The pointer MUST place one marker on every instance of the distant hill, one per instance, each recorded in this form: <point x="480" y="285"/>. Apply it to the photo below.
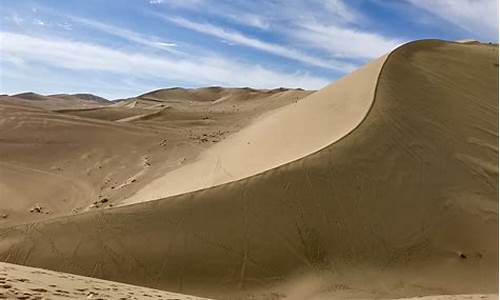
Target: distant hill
<point x="30" y="96"/>
<point x="87" y="97"/>
<point x="207" y="93"/>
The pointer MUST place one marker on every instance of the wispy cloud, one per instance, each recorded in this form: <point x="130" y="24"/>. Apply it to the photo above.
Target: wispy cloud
<point x="326" y="35"/>
<point x="15" y="18"/>
<point x="261" y="43"/>
<point x="344" y="41"/>
<point x="38" y="22"/>
<point x="249" y="19"/>
<point x="180" y="3"/>
<point x="241" y="39"/>
<point x="340" y="9"/>
<point x="150" y="41"/>
<point x="209" y="70"/>
<point x="478" y="17"/>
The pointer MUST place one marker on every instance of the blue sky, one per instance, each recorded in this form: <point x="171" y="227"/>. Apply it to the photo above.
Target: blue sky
<point x="116" y="48"/>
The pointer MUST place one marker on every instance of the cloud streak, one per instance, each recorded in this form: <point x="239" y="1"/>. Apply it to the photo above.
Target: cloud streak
<point x="478" y="17"/>
<point x="126" y="34"/>
<point x="241" y="39"/>
<point x="344" y="41"/>
<point x="209" y="70"/>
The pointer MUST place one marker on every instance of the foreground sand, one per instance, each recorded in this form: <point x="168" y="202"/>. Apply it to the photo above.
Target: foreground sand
<point x="20" y="282"/>
<point x="456" y="297"/>
<point x="403" y="204"/>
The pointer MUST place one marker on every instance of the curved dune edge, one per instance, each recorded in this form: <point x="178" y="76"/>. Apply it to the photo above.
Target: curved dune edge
<point x="280" y="137"/>
<point x="370" y="216"/>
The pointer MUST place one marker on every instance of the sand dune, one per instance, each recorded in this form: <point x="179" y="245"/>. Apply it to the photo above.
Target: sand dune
<point x="60" y="101"/>
<point x="457" y="297"/>
<point x="285" y="135"/>
<point x="19" y="282"/>
<point x="80" y="157"/>
<point x="401" y="202"/>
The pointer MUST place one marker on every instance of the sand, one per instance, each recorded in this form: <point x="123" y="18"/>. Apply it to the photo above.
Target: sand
<point x="400" y="203"/>
<point x="20" y="282"/>
<point x="279" y="137"/>
<point x="84" y="157"/>
<point x="456" y="297"/>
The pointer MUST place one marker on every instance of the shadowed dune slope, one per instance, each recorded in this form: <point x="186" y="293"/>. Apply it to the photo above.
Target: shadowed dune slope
<point x="404" y="205"/>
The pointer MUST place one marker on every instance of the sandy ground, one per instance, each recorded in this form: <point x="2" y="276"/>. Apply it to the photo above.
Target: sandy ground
<point x="276" y="138"/>
<point x="403" y="202"/>
<point x="20" y="282"/>
<point x="456" y="297"/>
<point x="86" y="157"/>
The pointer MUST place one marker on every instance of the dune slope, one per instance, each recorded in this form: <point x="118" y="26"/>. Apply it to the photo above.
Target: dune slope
<point x="404" y="205"/>
<point x="20" y="282"/>
<point x="279" y="137"/>
<point x="61" y="159"/>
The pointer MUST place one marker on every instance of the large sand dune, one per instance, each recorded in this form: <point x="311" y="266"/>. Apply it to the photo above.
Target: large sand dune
<point x="68" y="158"/>
<point x="279" y="137"/>
<point x="402" y="202"/>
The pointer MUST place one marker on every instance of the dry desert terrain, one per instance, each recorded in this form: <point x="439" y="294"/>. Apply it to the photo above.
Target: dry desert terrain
<point x="382" y="185"/>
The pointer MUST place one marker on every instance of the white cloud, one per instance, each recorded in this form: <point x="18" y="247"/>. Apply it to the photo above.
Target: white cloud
<point x="200" y="71"/>
<point x="13" y="59"/>
<point x="344" y="41"/>
<point x="181" y="3"/>
<point x="239" y="38"/>
<point x="163" y="44"/>
<point x="65" y="26"/>
<point x="38" y="22"/>
<point x="479" y="17"/>
<point x="249" y="20"/>
<point x="126" y="34"/>
<point x="341" y="10"/>
<point x="325" y="34"/>
<point x="16" y="19"/>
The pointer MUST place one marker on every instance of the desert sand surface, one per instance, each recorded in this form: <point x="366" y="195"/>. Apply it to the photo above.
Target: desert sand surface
<point x="394" y="197"/>
<point x="79" y="158"/>
<point x="276" y="138"/>
<point x="60" y="101"/>
<point x="20" y="282"/>
<point x="456" y="297"/>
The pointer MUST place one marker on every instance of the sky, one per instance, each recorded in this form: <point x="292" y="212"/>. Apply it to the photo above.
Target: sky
<point x="118" y="49"/>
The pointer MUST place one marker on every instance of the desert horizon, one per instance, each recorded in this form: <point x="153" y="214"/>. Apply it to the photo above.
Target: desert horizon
<point x="182" y="150"/>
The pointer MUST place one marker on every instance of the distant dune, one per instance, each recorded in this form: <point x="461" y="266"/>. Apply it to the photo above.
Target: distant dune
<point x="59" y="101"/>
<point x="382" y="185"/>
<point x="87" y="97"/>
<point x="80" y="155"/>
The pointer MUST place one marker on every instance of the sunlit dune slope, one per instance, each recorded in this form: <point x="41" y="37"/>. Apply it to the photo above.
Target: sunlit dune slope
<point x="403" y="205"/>
<point x="20" y="282"/>
<point x="284" y="135"/>
<point x="61" y="156"/>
